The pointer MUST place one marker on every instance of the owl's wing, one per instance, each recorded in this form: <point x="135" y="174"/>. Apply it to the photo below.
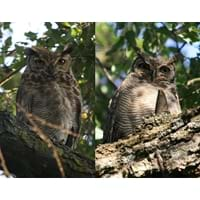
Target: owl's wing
<point x="110" y="131"/>
<point x="108" y="135"/>
<point x="24" y="101"/>
<point x="161" y="103"/>
<point x="173" y="100"/>
<point x="72" y="141"/>
<point x="77" y="121"/>
<point x="178" y="106"/>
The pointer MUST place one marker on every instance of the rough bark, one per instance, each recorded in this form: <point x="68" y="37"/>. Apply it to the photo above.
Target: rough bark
<point x="26" y="155"/>
<point x="162" y="147"/>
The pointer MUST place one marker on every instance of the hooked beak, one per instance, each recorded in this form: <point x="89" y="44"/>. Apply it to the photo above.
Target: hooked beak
<point x="51" y="71"/>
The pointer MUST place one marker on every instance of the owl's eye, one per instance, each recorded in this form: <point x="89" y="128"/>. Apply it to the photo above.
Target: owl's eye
<point x="144" y="66"/>
<point x="164" y="69"/>
<point x="61" y="61"/>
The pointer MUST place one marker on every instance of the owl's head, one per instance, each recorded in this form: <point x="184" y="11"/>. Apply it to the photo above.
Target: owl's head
<point x="155" y="69"/>
<point x="42" y="60"/>
<point x="143" y="67"/>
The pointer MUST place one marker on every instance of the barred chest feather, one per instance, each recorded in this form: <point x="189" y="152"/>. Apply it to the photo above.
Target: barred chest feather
<point x="133" y="105"/>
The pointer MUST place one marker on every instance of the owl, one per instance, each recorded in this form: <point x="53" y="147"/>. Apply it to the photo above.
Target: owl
<point x="134" y="99"/>
<point x="144" y="92"/>
<point x="49" y="91"/>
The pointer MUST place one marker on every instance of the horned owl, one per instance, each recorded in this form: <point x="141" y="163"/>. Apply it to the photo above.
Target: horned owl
<point x="132" y="100"/>
<point x="48" y="90"/>
<point x="142" y="93"/>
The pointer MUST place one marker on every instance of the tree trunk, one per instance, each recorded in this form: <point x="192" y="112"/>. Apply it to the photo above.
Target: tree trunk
<point x="162" y="147"/>
<point x="26" y="155"/>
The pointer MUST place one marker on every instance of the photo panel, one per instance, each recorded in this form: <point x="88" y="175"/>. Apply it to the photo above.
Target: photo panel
<point x="47" y="99"/>
<point x="147" y="99"/>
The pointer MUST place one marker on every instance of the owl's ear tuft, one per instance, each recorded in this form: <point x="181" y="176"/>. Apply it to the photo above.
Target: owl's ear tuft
<point x="140" y="56"/>
<point x="68" y="49"/>
<point x="30" y="52"/>
<point x="175" y="58"/>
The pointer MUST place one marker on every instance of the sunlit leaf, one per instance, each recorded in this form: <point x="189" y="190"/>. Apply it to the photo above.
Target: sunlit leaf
<point x="32" y="36"/>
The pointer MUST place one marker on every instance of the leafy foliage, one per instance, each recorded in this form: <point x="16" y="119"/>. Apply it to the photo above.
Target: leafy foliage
<point x="116" y="48"/>
<point x="55" y="37"/>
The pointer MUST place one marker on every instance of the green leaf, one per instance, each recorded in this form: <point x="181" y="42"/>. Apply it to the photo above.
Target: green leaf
<point x="120" y="25"/>
<point x="1" y="59"/>
<point x="6" y="25"/>
<point x="130" y="36"/>
<point x="116" y="46"/>
<point x="48" y="25"/>
<point x="8" y="43"/>
<point x="32" y="36"/>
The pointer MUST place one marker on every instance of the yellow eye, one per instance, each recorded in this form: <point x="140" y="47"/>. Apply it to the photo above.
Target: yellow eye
<point x="144" y="66"/>
<point x="164" y="69"/>
<point x="61" y="61"/>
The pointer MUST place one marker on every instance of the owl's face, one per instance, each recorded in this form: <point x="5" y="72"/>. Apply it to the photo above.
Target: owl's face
<point x="154" y="69"/>
<point x="41" y="60"/>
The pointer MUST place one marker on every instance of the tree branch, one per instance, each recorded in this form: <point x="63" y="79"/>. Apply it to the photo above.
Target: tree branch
<point x="193" y="81"/>
<point x="27" y="155"/>
<point x="181" y="47"/>
<point x="3" y="164"/>
<point x="175" y="37"/>
<point x="164" y="147"/>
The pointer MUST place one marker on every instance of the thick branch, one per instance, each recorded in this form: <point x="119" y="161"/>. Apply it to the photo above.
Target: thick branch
<point x="193" y="81"/>
<point x="164" y="147"/>
<point x="26" y="155"/>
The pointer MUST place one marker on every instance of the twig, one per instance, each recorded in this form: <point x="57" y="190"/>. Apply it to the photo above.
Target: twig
<point x="175" y="37"/>
<point x="46" y="139"/>
<point x="9" y="53"/>
<point x="191" y="82"/>
<point x="50" y="145"/>
<point x="46" y="123"/>
<point x="108" y="76"/>
<point x="9" y="76"/>
<point x="3" y="164"/>
<point x="180" y="48"/>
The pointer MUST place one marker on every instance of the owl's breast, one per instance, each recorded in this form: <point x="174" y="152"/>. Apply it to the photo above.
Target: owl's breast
<point x="50" y="104"/>
<point x="142" y="102"/>
<point x="135" y="104"/>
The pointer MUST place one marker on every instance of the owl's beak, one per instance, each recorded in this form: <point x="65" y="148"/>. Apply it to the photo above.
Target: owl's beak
<point x="51" y="70"/>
